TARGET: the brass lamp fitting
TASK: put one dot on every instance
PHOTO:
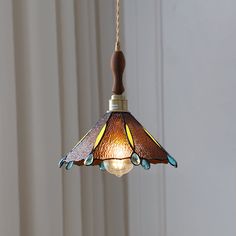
(118, 103)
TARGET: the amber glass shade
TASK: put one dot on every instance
(117, 136)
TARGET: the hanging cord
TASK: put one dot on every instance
(117, 47)
(118, 59)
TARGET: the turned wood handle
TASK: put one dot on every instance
(118, 67)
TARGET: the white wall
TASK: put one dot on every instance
(197, 76)
(200, 113)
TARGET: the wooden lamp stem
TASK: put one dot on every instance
(118, 67)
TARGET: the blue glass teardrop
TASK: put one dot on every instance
(172, 161)
(69, 165)
(61, 162)
(89, 160)
(135, 159)
(102, 166)
(145, 164)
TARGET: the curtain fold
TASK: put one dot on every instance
(71, 182)
(38, 116)
(9, 189)
(143, 41)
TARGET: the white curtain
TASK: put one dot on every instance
(54, 84)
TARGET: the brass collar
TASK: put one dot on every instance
(118, 103)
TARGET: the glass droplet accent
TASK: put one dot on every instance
(145, 164)
(102, 166)
(61, 162)
(172, 161)
(69, 165)
(135, 159)
(89, 160)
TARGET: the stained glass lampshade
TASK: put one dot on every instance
(117, 142)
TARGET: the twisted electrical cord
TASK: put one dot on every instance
(117, 47)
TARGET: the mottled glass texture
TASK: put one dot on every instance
(116, 136)
(145, 147)
(82, 150)
(114, 144)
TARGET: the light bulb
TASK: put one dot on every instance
(118, 167)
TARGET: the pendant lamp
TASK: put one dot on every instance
(117, 142)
